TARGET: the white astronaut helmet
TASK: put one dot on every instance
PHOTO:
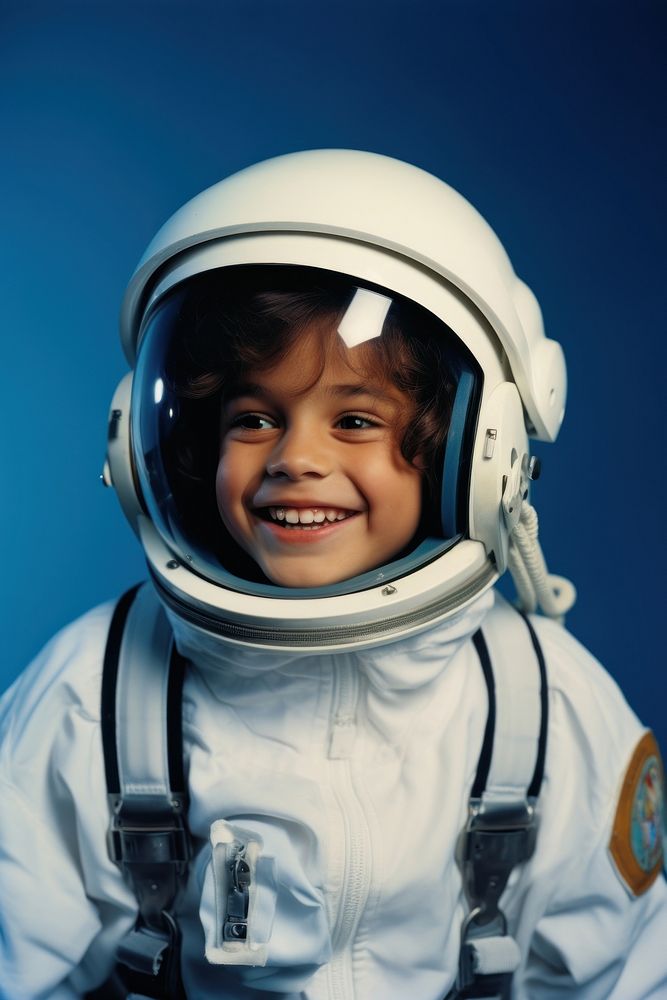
(385, 239)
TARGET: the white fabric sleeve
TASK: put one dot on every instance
(593, 939)
(601, 944)
(46, 920)
(63, 903)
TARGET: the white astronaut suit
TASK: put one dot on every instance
(334, 735)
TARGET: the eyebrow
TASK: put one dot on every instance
(357, 389)
(246, 389)
(338, 391)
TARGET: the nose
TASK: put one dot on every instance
(299, 453)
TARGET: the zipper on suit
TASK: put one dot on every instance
(356, 845)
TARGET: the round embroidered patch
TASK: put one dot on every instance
(637, 839)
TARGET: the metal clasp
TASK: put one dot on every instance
(235, 927)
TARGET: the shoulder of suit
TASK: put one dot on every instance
(584, 690)
(65, 675)
(596, 731)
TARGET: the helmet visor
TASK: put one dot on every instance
(207, 336)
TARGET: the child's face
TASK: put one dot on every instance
(311, 482)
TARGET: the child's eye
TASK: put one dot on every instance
(252, 422)
(355, 422)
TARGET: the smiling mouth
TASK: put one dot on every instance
(304, 518)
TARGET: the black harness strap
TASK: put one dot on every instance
(495, 841)
(148, 838)
(486, 753)
(538, 775)
(109, 678)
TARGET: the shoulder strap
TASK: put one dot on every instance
(502, 825)
(142, 739)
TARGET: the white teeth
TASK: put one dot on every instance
(306, 515)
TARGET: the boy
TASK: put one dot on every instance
(394, 784)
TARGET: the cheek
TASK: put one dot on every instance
(228, 485)
(395, 493)
(237, 478)
(410, 496)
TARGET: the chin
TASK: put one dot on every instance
(308, 577)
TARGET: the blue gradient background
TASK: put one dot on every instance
(549, 117)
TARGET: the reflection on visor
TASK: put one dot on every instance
(158, 390)
(364, 317)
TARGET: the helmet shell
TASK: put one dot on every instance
(385, 203)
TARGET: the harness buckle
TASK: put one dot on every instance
(135, 837)
(496, 839)
(488, 859)
(149, 960)
(149, 846)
